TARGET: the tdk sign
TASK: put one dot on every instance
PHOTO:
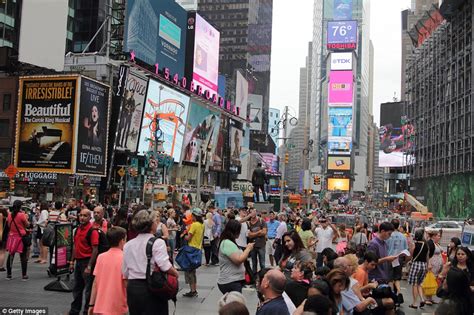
(341, 61)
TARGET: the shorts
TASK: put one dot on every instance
(269, 247)
(190, 277)
(417, 273)
(397, 273)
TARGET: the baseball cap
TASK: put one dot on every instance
(197, 212)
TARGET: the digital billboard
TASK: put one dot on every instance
(342, 35)
(339, 163)
(221, 144)
(93, 128)
(342, 184)
(396, 136)
(340, 122)
(156, 32)
(202, 66)
(255, 111)
(341, 61)
(132, 89)
(171, 109)
(342, 10)
(341, 87)
(202, 129)
(236, 142)
(260, 63)
(46, 124)
(340, 145)
(269, 162)
(241, 95)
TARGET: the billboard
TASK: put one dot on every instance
(339, 163)
(156, 32)
(203, 40)
(342, 184)
(341, 87)
(236, 142)
(171, 108)
(260, 63)
(269, 162)
(46, 124)
(202, 129)
(221, 144)
(339, 145)
(242, 94)
(41, 43)
(133, 92)
(342, 10)
(341, 61)
(342, 35)
(340, 122)
(93, 128)
(396, 136)
(255, 111)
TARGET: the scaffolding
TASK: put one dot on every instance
(439, 99)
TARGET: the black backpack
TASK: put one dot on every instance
(103, 242)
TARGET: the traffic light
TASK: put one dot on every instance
(317, 180)
(287, 157)
(12, 184)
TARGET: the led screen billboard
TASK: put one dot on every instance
(156, 32)
(255, 111)
(202, 129)
(241, 95)
(342, 35)
(221, 144)
(340, 122)
(396, 136)
(340, 145)
(341, 87)
(203, 65)
(341, 184)
(342, 10)
(236, 142)
(341, 61)
(339, 163)
(171, 108)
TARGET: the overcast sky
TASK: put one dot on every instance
(293, 29)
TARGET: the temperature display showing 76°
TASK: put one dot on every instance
(342, 32)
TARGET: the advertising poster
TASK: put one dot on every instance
(235, 146)
(156, 32)
(396, 136)
(342, 10)
(340, 145)
(63, 247)
(341, 61)
(93, 128)
(46, 124)
(218, 158)
(342, 184)
(206, 55)
(340, 122)
(342, 32)
(202, 130)
(241, 95)
(171, 109)
(255, 111)
(339, 163)
(341, 87)
(133, 94)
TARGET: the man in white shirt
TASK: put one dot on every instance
(242, 239)
(325, 234)
(277, 243)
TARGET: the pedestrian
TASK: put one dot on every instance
(121, 218)
(326, 233)
(34, 217)
(41, 225)
(272, 286)
(419, 266)
(99, 221)
(307, 235)
(233, 303)
(278, 243)
(109, 294)
(397, 243)
(338, 281)
(293, 251)
(454, 243)
(85, 254)
(208, 237)
(298, 285)
(139, 299)
(172, 229)
(194, 237)
(259, 179)
(456, 294)
(378, 245)
(257, 234)
(272, 226)
(216, 232)
(231, 257)
(3, 236)
(436, 261)
(72, 212)
(18, 227)
(361, 274)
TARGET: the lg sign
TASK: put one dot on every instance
(341, 61)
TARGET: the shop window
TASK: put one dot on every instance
(4, 127)
(7, 101)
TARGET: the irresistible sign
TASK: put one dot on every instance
(46, 132)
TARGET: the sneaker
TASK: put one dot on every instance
(25, 278)
(9, 277)
(191, 294)
(2, 269)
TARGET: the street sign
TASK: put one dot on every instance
(121, 172)
(11, 171)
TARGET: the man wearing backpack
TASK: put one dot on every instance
(86, 249)
(99, 221)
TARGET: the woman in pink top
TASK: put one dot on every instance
(109, 294)
(17, 222)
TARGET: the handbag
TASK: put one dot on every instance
(160, 284)
(189, 258)
(25, 239)
(206, 241)
(429, 285)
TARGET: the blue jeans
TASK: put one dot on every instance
(260, 252)
(172, 245)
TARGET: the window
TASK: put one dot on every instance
(271, 114)
(4, 127)
(7, 101)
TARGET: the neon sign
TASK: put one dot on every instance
(188, 85)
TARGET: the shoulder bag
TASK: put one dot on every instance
(160, 284)
(25, 239)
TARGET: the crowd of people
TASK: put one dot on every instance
(313, 266)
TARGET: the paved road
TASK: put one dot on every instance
(16, 293)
